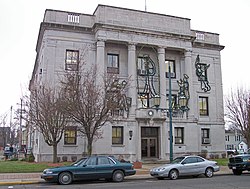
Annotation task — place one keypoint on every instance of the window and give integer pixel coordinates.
(117, 135)
(141, 64)
(170, 63)
(203, 106)
(70, 135)
(174, 101)
(200, 36)
(143, 99)
(237, 137)
(72, 18)
(227, 138)
(72, 60)
(113, 63)
(179, 135)
(205, 136)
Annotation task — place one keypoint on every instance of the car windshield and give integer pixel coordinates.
(177, 160)
(80, 161)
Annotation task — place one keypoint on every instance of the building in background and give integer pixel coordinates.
(235, 142)
(141, 46)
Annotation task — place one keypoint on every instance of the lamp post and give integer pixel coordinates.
(170, 117)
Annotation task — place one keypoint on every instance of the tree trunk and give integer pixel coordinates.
(54, 153)
(89, 146)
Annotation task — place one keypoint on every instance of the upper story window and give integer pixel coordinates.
(74, 18)
(143, 100)
(72, 60)
(141, 66)
(203, 106)
(179, 135)
(237, 137)
(172, 71)
(227, 138)
(70, 135)
(113, 63)
(173, 101)
(205, 136)
(117, 135)
(200, 36)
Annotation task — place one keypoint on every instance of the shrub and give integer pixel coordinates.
(73, 158)
(30, 158)
(64, 158)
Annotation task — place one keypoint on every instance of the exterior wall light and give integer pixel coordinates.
(130, 134)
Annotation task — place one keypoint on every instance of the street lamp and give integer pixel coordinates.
(170, 116)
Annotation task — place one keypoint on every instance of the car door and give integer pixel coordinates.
(189, 166)
(201, 165)
(105, 167)
(86, 170)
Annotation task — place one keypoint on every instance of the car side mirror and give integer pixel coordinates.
(183, 163)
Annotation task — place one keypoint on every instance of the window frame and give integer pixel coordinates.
(111, 66)
(203, 101)
(205, 134)
(71, 63)
(66, 138)
(143, 102)
(172, 68)
(179, 134)
(115, 135)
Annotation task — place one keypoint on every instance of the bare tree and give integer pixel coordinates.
(91, 101)
(238, 112)
(47, 113)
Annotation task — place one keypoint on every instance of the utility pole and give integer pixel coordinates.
(20, 129)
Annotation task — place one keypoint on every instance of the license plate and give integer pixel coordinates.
(233, 167)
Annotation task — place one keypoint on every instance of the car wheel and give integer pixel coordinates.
(173, 174)
(237, 172)
(118, 176)
(65, 178)
(209, 172)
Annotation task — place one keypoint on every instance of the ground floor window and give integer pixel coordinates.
(117, 135)
(179, 135)
(70, 135)
(205, 136)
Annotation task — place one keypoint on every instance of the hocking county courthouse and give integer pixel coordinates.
(162, 57)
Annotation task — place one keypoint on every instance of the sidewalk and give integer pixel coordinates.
(34, 178)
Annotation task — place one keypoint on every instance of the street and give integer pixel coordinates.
(217, 182)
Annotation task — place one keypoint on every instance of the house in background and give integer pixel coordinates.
(162, 56)
(235, 142)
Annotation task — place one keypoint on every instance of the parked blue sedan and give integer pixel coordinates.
(91, 168)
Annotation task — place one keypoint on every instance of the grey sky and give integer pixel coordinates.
(20, 21)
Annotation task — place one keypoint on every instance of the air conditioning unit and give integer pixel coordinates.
(205, 141)
(178, 141)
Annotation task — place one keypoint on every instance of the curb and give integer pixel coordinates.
(136, 177)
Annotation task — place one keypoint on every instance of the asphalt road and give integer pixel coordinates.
(217, 182)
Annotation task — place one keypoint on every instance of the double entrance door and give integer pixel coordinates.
(149, 142)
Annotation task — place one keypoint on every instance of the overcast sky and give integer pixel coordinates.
(20, 21)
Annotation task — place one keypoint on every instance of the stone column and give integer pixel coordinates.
(132, 75)
(162, 79)
(162, 83)
(189, 70)
(100, 59)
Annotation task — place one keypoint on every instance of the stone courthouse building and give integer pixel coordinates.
(175, 81)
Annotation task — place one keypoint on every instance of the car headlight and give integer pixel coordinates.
(161, 169)
(48, 171)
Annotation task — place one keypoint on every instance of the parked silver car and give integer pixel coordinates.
(185, 165)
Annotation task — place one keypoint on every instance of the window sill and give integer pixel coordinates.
(70, 145)
(117, 145)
